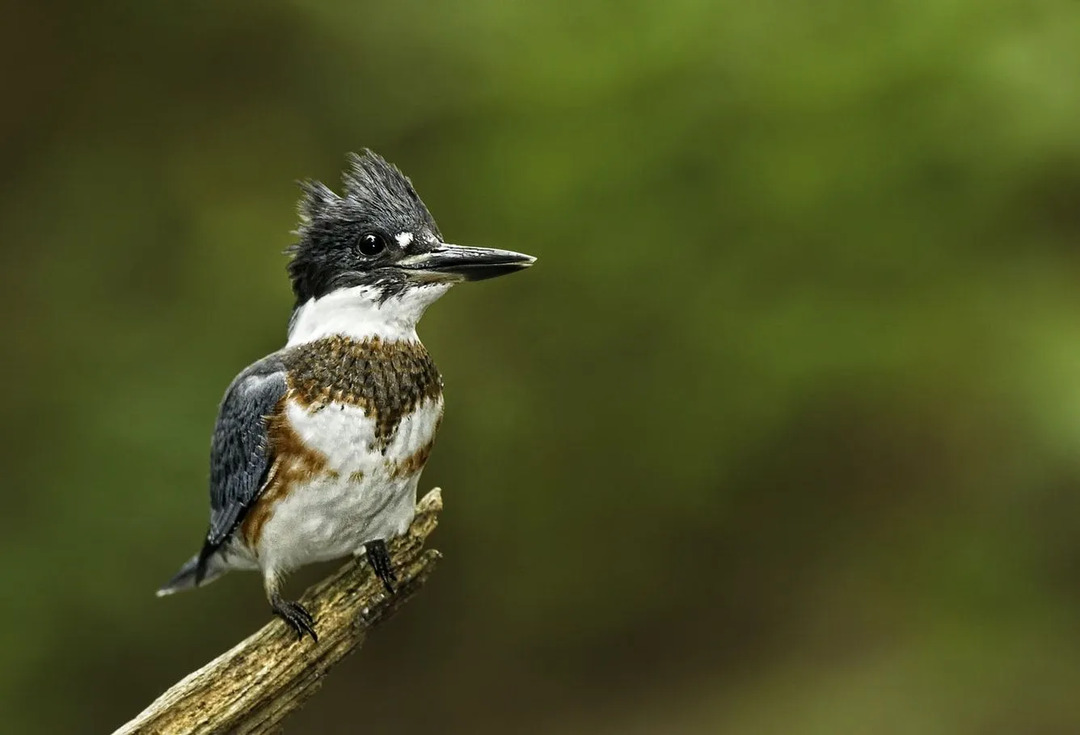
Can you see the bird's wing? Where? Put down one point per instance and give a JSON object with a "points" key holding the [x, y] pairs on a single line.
{"points": [[240, 453]]}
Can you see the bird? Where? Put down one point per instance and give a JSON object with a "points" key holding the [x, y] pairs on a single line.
{"points": [[318, 447]]}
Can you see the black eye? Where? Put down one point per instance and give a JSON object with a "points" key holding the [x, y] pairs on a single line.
{"points": [[372, 244]]}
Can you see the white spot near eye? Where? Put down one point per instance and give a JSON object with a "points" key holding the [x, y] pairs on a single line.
{"points": [[404, 239]]}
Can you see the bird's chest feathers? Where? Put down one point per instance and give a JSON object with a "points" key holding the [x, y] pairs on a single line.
{"points": [[360, 402], [349, 440]]}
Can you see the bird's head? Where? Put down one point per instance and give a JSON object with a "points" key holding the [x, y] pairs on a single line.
{"points": [[379, 235]]}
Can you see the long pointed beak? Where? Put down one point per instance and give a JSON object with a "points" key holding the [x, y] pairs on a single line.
{"points": [[466, 263]]}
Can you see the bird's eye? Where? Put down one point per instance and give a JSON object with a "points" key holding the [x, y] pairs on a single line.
{"points": [[372, 244]]}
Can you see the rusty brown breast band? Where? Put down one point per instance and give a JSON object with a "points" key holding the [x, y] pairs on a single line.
{"points": [[387, 379]]}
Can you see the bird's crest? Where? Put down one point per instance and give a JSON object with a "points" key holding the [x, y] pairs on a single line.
{"points": [[374, 190]]}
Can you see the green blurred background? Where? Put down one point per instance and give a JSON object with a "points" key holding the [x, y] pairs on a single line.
{"points": [[779, 435]]}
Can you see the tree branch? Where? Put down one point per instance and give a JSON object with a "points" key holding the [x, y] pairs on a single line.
{"points": [[254, 686]]}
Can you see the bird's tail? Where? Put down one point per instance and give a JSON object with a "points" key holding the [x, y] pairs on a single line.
{"points": [[185, 578]]}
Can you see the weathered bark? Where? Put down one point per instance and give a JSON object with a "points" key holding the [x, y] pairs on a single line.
{"points": [[254, 686]]}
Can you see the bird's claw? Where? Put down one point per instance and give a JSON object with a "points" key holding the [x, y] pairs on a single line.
{"points": [[295, 616], [379, 556]]}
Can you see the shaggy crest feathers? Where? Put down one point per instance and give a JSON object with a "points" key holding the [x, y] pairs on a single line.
{"points": [[375, 190], [316, 199]]}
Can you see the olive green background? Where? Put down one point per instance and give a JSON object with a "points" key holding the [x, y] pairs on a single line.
{"points": [[778, 436]]}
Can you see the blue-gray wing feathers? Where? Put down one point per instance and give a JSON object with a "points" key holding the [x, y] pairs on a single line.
{"points": [[240, 452]]}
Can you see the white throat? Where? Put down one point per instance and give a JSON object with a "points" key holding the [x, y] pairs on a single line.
{"points": [[358, 313]]}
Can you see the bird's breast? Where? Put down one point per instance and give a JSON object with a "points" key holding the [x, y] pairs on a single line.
{"points": [[349, 440], [386, 379]]}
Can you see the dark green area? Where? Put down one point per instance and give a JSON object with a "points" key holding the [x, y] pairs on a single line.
{"points": [[779, 436]]}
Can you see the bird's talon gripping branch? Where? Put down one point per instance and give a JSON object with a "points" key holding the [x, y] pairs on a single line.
{"points": [[383, 567], [295, 616]]}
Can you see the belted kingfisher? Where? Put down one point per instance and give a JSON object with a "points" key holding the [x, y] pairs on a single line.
{"points": [[318, 447]]}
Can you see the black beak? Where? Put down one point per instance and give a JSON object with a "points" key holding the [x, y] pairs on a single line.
{"points": [[457, 262]]}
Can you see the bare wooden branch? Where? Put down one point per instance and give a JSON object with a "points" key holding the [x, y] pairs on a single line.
{"points": [[254, 686]]}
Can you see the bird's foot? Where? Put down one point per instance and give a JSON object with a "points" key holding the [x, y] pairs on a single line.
{"points": [[296, 616], [379, 557]]}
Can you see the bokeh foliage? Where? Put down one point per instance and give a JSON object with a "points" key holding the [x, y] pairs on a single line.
{"points": [[778, 436]]}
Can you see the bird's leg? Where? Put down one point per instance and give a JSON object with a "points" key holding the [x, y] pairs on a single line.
{"points": [[379, 557], [292, 612]]}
